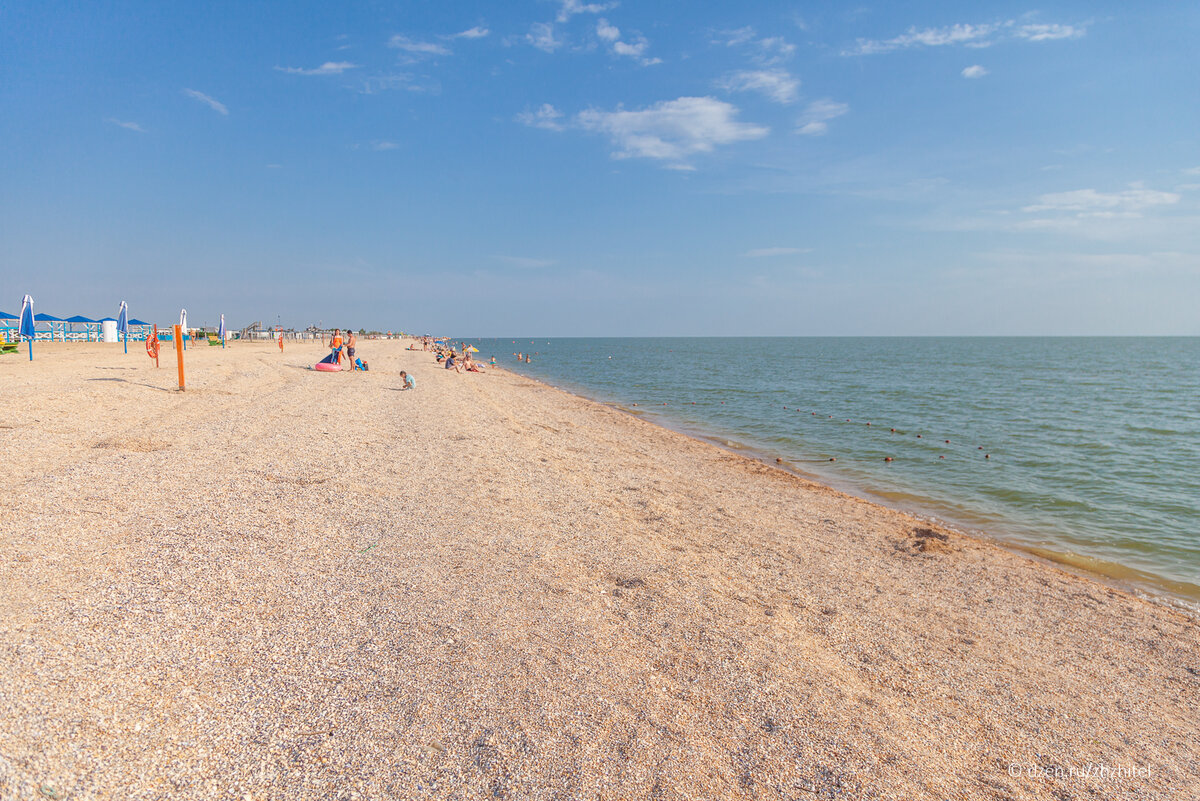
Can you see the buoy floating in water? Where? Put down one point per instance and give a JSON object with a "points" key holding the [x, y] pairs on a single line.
{"points": [[833, 458], [887, 458]]}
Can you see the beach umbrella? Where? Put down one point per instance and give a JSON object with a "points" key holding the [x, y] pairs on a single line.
{"points": [[123, 324], [473, 349], [183, 327], [221, 331], [26, 326]]}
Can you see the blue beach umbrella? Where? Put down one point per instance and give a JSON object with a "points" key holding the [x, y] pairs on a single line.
{"points": [[183, 327], [26, 326], [221, 331], [123, 324]]}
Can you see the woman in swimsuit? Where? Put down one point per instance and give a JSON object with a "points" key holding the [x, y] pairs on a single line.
{"points": [[335, 343]]}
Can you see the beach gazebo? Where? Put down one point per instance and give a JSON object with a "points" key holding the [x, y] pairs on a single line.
{"points": [[90, 327], [54, 326], [8, 326], [142, 332]]}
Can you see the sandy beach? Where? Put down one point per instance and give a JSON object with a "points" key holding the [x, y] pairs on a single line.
{"points": [[287, 584]]}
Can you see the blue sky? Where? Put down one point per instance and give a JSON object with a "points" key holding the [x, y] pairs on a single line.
{"points": [[634, 168]]}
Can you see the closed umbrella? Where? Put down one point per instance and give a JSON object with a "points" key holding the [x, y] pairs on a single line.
{"points": [[183, 327], [221, 331], [123, 324], [26, 326]]}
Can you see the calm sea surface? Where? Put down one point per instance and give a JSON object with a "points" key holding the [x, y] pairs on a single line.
{"points": [[1094, 443]]}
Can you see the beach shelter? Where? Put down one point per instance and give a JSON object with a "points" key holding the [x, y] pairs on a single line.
{"points": [[7, 321], [221, 331], [88, 324], [145, 329], [123, 324], [26, 327], [50, 320]]}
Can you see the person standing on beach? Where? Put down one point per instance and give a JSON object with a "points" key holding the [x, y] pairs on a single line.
{"points": [[351, 340], [335, 344]]}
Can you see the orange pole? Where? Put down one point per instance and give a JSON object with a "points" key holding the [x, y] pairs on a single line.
{"points": [[179, 354]]}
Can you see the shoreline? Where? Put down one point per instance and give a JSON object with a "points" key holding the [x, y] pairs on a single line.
{"points": [[1149, 586], [287, 583]]}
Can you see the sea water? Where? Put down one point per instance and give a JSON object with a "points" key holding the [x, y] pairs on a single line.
{"points": [[1082, 450]]}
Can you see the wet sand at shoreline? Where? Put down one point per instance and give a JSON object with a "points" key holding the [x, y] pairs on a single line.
{"points": [[286, 584]]}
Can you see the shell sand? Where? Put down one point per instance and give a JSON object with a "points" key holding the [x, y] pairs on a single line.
{"points": [[287, 584]]}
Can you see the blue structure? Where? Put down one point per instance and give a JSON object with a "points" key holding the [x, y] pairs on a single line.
{"points": [[89, 326], [55, 326]]}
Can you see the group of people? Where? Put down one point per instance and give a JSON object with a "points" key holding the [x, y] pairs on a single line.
{"points": [[338, 342]]}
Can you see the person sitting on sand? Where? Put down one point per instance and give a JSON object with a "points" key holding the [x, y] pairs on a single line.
{"points": [[335, 343], [408, 381], [450, 363]]}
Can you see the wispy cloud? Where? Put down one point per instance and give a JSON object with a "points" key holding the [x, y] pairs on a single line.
{"points": [[478, 32], [1090, 203], [1050, 32], [815, 120], [328, 68], [383, 144], [570, 8], [212, 103], [547, 117], [417, 48], [635, 48], [129, 126], [777, 84], [671, 130], [375, 84], [766, 51], [526, 262], [541, 35], [974, 71], [966, 35], [759, 253]]}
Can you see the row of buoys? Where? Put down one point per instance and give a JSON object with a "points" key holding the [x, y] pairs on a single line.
{"points": [[893, 431]]}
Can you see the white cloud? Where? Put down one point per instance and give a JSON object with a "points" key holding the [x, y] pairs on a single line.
{"points": [[215, 105], [967, 35], [478, 32], [671, 130], [607, 32], [974, 71], [777, 84], [570, 8], [416, 48], [408, 82], [541, 36], [767, 51], [1090, 203], [634, 49], [817, 115], [1192, 171], [384, 145], [526, 262], [762, 252], [547, 117], [328, 68], [130, 126], [1050, 32]]}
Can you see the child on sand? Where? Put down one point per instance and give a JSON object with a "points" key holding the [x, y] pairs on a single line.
{"points": [[408, 381]]}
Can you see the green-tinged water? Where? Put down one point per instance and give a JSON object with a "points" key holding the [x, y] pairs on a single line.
{"points": [[1085, 450]]}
